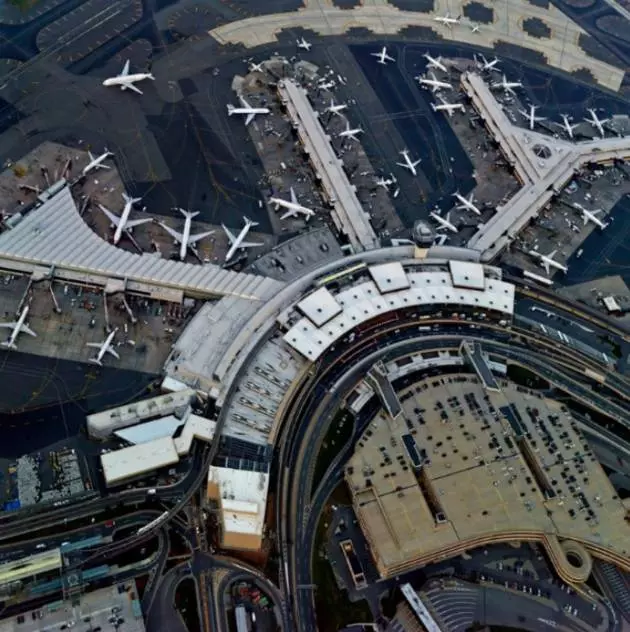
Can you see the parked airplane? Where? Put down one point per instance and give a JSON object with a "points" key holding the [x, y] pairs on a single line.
{"points": [[444, 222], [590, 216], [466, 204], [484, 64], [386, 182], [185, 238], [247, 109], [435, 62], [531, 116], [256, 67], [18, 327], [566, 126], [449, 108], [302, 43], [350, 133], [447, 20], [294, 207], [506, 85], [97, 162], [123, 223], [383, 57], [474, 28], [434, 83], [596, 122], [103, 348], [238, 241], [334, 108], [411, 166], [548, 261], [326, 85], [127, 81]]}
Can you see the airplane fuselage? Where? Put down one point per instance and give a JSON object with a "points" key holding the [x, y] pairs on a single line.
{"points": [[18, 327], [124, 80], [96, 163], [547, 262], [105, 346], [237, 242], [233, 110], [183, 247], [124, 218], [444, 223]]}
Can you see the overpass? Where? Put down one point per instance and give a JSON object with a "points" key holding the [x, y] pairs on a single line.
{"points": [[542, 164]]}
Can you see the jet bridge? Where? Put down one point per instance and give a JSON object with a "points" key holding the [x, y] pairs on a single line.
{"points": [[473, 353], [378, 379]]}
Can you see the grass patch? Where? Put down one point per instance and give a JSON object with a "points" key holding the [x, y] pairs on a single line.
{"points": [[333, 608], [339, 433]]}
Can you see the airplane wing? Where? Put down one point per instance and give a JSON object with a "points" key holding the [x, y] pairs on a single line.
{"points": [[132, 87], [193, 239], [294, 199], [114, 219], [289, 213], [251, 244], [173, 233], [585, 218], [132, 223], [250, 118], [112, 352], [244, 103], [125, 70], [552, 254], [94, 345], [27, 330], [8, 325], [229, 233]]}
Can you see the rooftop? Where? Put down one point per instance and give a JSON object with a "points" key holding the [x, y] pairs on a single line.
{"points": [[55, 235], [135, 460], [486, 464]]}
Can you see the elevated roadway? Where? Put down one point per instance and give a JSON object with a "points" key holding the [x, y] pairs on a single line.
{"points": [[295, 508]]}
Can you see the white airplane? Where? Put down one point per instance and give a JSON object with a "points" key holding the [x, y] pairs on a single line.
{"points": [[411, 166], [18, 327], [185, 239], [447, 20], [484, 64], [385, 182], [548, 261], [590, 216], [302, 43], [474, 28], [434, 83], [596, 122], [449, 108], [253, 67], [238, 241], [103, 348], [96, 162], [531, 116], [127, 81], [383, 57], [326, 85], [350, 133], [123, 223], [466, 204], [506, 85], [294, 207], [566, 126], [336, 108], [444, 222], [434, 62], [247, 109]]}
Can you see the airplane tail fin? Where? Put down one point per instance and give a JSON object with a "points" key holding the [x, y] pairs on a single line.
{"points": [[150, 76], [434, 107], [194, 214], [95, 361], [9, 345], [249, 221], [230, 109]]}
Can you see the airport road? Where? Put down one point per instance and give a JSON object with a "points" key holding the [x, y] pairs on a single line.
{"points": [[162, 614], [297, 571]]}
